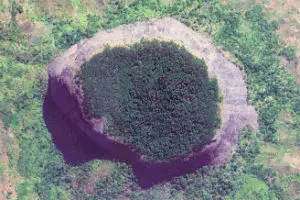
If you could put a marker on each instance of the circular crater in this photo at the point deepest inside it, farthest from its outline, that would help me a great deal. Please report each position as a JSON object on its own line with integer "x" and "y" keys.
{"x": 154, "y": 96}
{"x": 82, "y": 137}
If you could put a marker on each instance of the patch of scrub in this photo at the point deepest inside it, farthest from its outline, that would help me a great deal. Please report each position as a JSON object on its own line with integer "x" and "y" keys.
{"x": 8, "y": 173}
{"x": 284, "y": 156}
{"x": 252, "y": 188}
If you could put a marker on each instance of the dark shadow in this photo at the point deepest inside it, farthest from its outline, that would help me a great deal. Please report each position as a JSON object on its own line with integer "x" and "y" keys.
{"x": 79, "y": 143}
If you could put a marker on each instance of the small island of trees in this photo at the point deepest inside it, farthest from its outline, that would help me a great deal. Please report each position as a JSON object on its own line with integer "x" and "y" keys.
{"x": 155, "y": 96}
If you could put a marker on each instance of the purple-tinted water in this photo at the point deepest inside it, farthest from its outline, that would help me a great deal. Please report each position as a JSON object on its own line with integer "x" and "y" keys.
{"x": 79, "y": 143}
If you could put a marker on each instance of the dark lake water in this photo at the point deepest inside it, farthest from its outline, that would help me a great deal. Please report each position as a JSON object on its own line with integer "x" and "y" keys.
{"x": 79, "y": 143}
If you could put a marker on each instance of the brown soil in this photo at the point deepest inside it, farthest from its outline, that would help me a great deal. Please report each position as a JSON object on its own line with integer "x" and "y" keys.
{"x": 293, "y": 160}
{"x": 287, "y": 14}
{"x": 270, "y": 150}
{"x": 59, "y": 7}
{"x": 285, "y": 120}
{"x": 96, "y": 6}
{"x": 235, "y": 111}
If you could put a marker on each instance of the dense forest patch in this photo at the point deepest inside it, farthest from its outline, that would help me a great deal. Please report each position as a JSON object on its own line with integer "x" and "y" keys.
{"x": 155, "y": 96}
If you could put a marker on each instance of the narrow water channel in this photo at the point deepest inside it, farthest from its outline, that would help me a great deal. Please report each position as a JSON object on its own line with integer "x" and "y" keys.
{"x": 79, "y": 143}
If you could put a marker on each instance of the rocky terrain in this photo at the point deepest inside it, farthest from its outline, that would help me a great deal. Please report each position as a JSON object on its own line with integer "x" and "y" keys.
{"x": 235, "y": 113}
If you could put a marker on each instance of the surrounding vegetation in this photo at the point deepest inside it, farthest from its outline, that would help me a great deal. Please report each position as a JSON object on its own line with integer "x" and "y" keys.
{"x": 158, "y": 96}
{"x": 32, "y": 32}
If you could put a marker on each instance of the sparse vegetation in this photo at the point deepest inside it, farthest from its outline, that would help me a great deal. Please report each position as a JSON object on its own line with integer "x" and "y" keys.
{"x": 289, "y": 52}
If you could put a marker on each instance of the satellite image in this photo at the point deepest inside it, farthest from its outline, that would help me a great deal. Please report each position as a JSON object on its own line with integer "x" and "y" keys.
{"x": 149, "y": 100}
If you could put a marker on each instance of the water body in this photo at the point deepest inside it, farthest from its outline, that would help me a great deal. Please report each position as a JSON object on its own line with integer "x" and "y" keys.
{"x": 79, "y": 143}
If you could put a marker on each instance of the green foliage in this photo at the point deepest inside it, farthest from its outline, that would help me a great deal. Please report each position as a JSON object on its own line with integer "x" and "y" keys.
{"x": 21, "y": 110}
{"x": 16, "y": 83}
{"x": 254, "y": 43}
{"x": 248, "y": 145}
{"x": 2, "y": 168}
{"x": 25, "y": 190}
{"x": 208, "y": 183}
{"x": 2, "y": 6}
{"x": 95, "y": 22}
{"x": 68, "y": 31}
{"x": 11, "y": 149}
{"x": 158, "y": 96}
{"x": 121, "y": 13}
{"x": 249, "y": 36}
{"x": 114, "y": 186}
{"x": 264, "y": 179}
{"x": 31, "y": 50}
{"x": 253, "y": 188}
{"x": 119, "y": 183}
{"x": 289, "y": 52}
{"x": 15, "y": 9}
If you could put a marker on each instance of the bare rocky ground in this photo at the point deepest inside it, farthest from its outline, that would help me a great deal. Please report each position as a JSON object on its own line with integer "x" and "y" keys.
{"x": 235, "y": 113}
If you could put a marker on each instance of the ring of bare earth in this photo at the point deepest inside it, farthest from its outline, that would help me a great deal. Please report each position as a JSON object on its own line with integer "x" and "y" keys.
{"x": 154, "y": 96}
{"x": 74, "y": 134}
